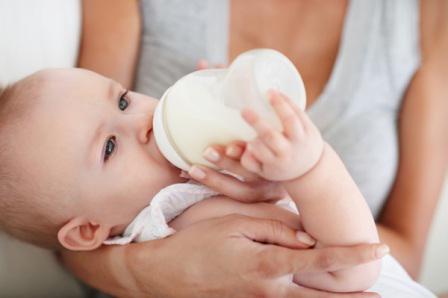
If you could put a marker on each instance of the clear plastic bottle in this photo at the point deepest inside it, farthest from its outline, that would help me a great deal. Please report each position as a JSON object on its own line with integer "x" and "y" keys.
{"x": 204, "y": 107}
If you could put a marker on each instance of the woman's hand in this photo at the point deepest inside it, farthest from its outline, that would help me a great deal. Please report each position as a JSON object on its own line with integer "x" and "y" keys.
{"x": 227, "y": 257}
{"x": 231, "y": 256}
{"x": 253, "y": 188}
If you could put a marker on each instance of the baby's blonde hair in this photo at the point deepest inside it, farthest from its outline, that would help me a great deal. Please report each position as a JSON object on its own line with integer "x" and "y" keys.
{"x": 24, "y": 209}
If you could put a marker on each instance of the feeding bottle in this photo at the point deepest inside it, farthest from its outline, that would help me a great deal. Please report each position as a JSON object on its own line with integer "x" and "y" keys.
{"x": 204, "y": 107}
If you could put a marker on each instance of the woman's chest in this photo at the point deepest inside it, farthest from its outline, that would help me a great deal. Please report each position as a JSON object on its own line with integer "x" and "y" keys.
{"x": 308, "y": 35}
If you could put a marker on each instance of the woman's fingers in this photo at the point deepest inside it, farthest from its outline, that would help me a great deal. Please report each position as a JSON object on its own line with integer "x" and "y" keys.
{"x": 234, "y": 188}
{"x": 235, "y": 149}
{"x": 305, "y": 238}
{"x": 217, "y": 156}
{"x": 273, "y": 232}
{"x": 324, "y": 259}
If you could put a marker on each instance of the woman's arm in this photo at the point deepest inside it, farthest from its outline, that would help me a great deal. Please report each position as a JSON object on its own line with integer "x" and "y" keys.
{"x": 110, "y": 38}
{"x": 423, "y": 137}
{"x": 215, "y": 258}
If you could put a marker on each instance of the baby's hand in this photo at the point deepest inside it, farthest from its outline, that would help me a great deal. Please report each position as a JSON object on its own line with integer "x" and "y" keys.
{"x": 282, "y": 155}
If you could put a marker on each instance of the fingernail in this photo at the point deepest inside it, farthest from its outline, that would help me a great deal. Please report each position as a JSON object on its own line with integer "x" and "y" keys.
{"x": 196, "y": 173}
{"x": 305, "y": 238}
{"x": 184, "y": 174}
{"x": 211, "y": 154}
{"x": 232, "y": 151}
{"x": 382, "y": 250}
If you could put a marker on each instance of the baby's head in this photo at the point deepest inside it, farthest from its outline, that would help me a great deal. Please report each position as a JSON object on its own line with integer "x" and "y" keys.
{"x": 78, "y": 158}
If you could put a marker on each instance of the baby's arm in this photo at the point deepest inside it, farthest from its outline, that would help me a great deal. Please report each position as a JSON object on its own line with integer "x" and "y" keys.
{"x": 221, "y": 206}
{"x": 332, "y": 209}
{"x": 334, "y": 212}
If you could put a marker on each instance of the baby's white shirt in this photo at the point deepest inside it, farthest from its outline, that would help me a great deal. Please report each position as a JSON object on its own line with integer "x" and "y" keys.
{"x": 152, "y": 222}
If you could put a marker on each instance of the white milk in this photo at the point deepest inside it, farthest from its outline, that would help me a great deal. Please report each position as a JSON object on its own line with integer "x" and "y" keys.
{"x": 197, "y": 120}
{"x": 204, "y": 107}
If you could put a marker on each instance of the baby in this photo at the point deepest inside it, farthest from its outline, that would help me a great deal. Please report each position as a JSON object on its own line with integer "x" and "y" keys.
{"x": 79, "y": 162}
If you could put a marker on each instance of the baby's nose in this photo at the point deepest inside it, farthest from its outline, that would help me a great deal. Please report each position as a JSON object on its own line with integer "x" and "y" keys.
{"x": 142, "y": 126}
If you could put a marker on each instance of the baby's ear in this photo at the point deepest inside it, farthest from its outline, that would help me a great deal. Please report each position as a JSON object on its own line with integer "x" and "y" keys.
{"x": 81, "y": 234}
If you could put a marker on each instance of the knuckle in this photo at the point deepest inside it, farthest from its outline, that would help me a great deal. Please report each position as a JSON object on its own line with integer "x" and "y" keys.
{"x": 263, "y": 266}
{"x": 277, "y": 227}
{"x": 283, "y": 148}
{"x": 268, "y": 135}
{"x": 290, "y": 116}
{"x": 326, "y": 260}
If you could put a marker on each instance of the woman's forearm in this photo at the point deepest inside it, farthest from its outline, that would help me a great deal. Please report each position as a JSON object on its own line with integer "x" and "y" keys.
{"x": 406, "y": 217}
{"x": 111, "y": 39}
{"x": 410, "y": 207}
{"x": 400, "y": 247}
{"x": 105, "y": 269}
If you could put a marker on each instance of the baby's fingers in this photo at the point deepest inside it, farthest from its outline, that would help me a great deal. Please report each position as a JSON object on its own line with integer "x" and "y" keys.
{"x": 260, "y": 151}
{"x": 288, "y": 116}
{"x": 272, "y": 139}
{"x": 308, "y": 125}
{"x": 249, "y": 162}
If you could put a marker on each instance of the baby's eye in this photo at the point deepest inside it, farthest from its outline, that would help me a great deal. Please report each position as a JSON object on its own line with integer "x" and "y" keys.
{"x": 123, "y": 102}
{"x": 109, "y": 147}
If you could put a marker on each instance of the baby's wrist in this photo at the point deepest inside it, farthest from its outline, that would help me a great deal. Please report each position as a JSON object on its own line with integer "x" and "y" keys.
{"x": 311, "y": 170}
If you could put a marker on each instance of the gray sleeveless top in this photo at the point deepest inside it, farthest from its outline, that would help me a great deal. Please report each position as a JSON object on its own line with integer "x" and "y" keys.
{"x": 357, "y": 111}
